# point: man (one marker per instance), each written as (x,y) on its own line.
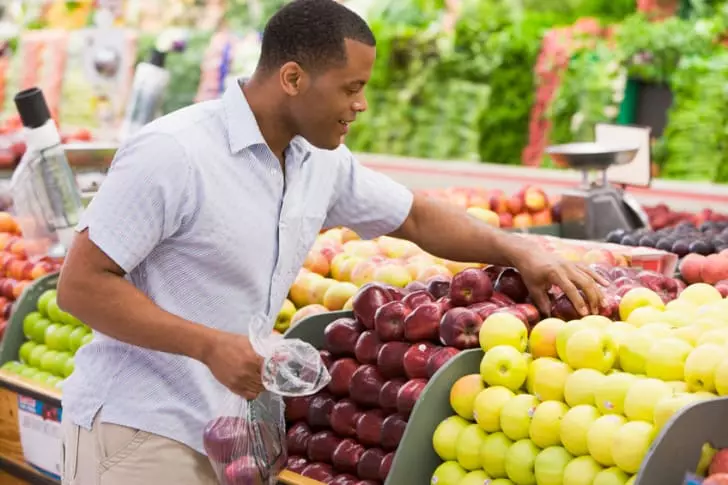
(201,226)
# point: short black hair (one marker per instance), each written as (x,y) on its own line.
(312,34)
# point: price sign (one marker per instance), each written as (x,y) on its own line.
(40,435)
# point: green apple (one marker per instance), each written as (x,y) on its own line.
(51,337)
(46,297)
(633,352)
(68,319)
(55,314)
(667,407)
(53,381)
(87,339)
(666,359)
(546,423)
(76,337)
(36,354)
(493,454)
(48,361)
(64,337)
(445,437)
(488,405)
(12,366)
(467,449)
(591,348)
(477,477)
(39,330)
(448,473)
(611,476)
(29,372)
(700,367)
(42,376)
(600,436)
(520,462)
(547,378)
(564,333)
(574,428)
(581,385)
(463,394)
(500,481)
(516,414)
(69,367)
(630,445)
(609,396)
(550,465)
(636,298)
(60,363)
(503,329)
(642,397)
(25,350)
(29,323)
(504,366)
(581,471)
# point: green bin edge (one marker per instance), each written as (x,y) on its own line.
(27,303)
(415,459)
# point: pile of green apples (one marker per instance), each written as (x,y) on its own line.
(53,338)
(580,402)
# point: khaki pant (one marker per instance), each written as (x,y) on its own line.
(116,455)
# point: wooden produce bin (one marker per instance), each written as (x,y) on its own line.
(415,460)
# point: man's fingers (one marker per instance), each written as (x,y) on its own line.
(594,275)
(589,287)
(541,299)
(562,280)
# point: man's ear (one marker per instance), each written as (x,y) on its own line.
(293,78)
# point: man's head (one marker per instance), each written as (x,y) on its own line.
(321,55)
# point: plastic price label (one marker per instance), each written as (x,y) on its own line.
(40,435)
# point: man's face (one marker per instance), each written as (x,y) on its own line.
(332,99)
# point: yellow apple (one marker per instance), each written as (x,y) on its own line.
(667,407)
(488,405)
(657,330)
(598,320)
(581,471)
(542,341)
(393,274)
(504,366)
(484,215)
(720,379)
(620,331)
(503,329)
(463,394)
(550,465)
(516,414)
(581,386)
(633,352)
(609,396)
(575,426)
(547,378)
(643,315)
(630,445)
(445,437)
(690,334)
(591,348)
(448,473)
(700,367)
(364,249)
(678,386)
(520,462)
(476,477)
(546,423)
(565,333)
(338,294)
(677,318)
(642,397)
(666,359)
(636,298)
(682,305)
(700,294)
(600,436)
(611,476)
(300,291)
(717,336)
(493,454)
(468,447)
(283,320)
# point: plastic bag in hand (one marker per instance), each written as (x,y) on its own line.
(246,444)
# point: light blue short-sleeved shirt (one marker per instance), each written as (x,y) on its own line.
(196,211)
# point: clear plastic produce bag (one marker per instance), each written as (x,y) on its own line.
(246,443)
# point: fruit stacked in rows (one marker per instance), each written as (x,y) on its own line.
(683,239)
(581,401)
(54,337)
(712,269)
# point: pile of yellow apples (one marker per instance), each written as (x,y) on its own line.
(580,402)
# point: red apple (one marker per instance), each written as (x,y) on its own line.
(341,372)
(444,303)
(344,416)
(365,385)
(415,359)
(417,298)
(322,472)
(367,300)
(347,455)
(533,316)
(320,409)
(297,438)
(501,300)
(515,311)
(460,328)
(484,308)
(297,408)
(412,287)
(389,321)
(321,446)
(409,394)
(388,394)
(439,358)
(369,427)
(438,286)
(423,323)
(340,336)
(345,479)
(222,438)
(244,470)
(296,464)
(326,358)
(563,308)
(470,286)
(386,466)
(392,431)
(396,293)
(370,463)
(719,463)
(511,284)
(367,347)
(390,359)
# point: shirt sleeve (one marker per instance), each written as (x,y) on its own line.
(366,201)
(144,199)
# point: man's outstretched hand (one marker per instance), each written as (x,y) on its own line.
(541,270)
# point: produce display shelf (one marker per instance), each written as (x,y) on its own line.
(415,459)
